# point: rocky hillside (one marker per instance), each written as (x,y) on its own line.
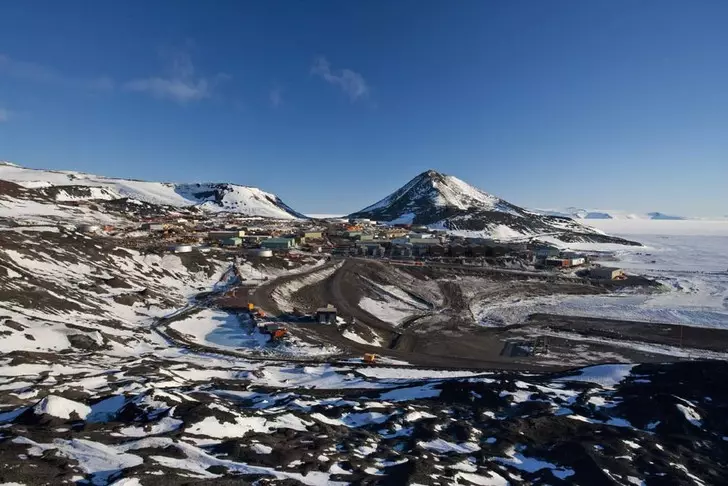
(443,201)
(176,419)
(74,186)
(90,393)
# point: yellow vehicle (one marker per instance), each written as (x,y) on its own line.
(370,358)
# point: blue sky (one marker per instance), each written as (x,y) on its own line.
(332,105)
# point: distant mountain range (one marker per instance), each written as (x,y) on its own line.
(577,213)
(446,202)
(69,185)
(433,199)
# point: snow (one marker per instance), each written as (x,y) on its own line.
(494,479)
(392,291)
(690,414)
(406,218)
(352,336)
(352,420)
(127,482)
(607,376)
(684,469)
(417,415)
(242,199)
(530,464)
(631,444)
(197,462)
(411,393)
(261,449)
(608,214)
(326,377)
(413,374)
(444,447)
(692,269)
(93,193)
(391,311)
(460,194)
(664,228)
(283,293)
(105,410)
(325,215)
(213,427)
(93,458)
(441,191)
(163,426)
(504,233)
(61,407)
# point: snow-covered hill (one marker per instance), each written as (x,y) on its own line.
(70,185)
(446,202)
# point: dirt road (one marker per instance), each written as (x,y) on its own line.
(447,334)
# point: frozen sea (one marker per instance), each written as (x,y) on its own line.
(693,268)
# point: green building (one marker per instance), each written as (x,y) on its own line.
(278,243)
(231,242)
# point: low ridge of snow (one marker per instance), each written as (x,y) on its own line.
(61,407)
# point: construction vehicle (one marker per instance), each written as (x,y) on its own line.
(369,358)
(276,331)
(255,311)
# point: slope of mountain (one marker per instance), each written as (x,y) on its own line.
(70,185)
(446,202)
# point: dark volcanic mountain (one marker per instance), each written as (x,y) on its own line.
(443,201)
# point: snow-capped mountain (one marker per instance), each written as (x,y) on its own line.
(71,185)
(443,201)
(578,213)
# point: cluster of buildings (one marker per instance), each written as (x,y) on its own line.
(359,237)
(227,231)
(552,257)
(268,241)
(403,243)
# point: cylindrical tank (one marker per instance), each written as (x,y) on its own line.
(260,253)
(182,248)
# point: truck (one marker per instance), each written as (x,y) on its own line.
(276,331)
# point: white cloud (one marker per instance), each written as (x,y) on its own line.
(276,97)
(4,115)
(38,73)
(181,84)
(175,89)
(351,82)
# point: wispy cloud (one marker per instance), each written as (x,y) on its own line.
(276,97)
(351,82)
(4,115)
(181,83)
(39,73)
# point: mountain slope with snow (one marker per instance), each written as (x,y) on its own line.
(446,202)
(71,185)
